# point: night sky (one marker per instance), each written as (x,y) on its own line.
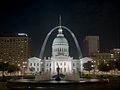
(83,17)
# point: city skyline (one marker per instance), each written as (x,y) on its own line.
(37,18)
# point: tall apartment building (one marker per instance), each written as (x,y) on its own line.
(91,45)
(15,48)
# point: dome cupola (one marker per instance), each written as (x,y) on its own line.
(60,39)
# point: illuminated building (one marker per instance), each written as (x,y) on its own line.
(60,57)
(15,48)
(34,65)
(101,57)
(91,45)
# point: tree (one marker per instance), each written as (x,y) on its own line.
(117,64)
(8,67)
(104,67)
(112,65)
(12,68)
(3,68)
(88,66)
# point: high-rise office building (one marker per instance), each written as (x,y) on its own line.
(91,45)
(15,48)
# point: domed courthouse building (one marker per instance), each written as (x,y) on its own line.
(60,58)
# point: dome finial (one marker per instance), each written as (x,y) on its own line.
(60,20)
(60,29)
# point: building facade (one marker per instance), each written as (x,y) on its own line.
(34,65)
(60,58)
(91,45)
(99,57)
(15,48)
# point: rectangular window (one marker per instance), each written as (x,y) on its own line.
(73,64)
(34,64)
(37,69)
(30,64)
(37,64)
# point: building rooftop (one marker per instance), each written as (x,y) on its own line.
(12,34)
